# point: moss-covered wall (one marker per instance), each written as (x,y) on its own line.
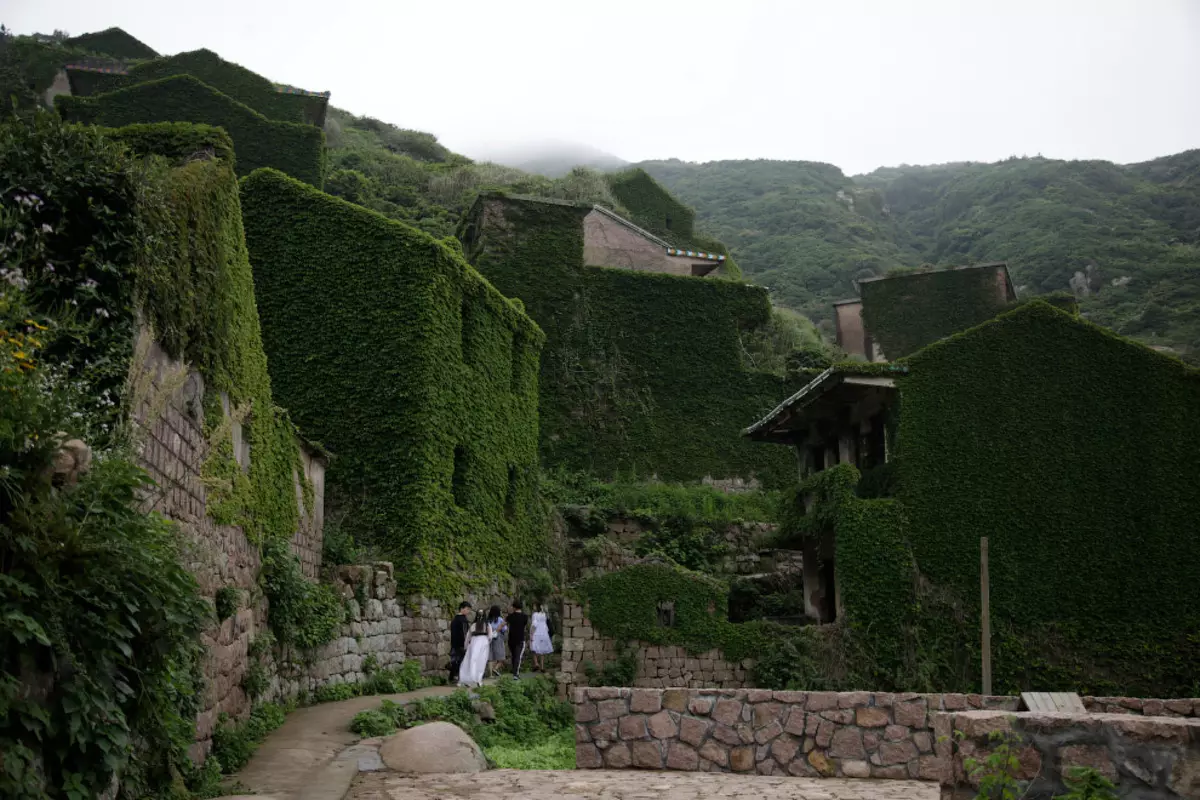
(389,349)
(904,313)
(243,85)
(294,148)
(1075,452)
(642,372)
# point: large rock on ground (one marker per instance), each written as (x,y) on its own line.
(436,747)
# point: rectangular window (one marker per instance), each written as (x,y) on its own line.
(510,498)
(458,483)
(518,361)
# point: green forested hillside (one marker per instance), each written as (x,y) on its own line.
(1124,239)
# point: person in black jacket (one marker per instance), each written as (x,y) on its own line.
(518,633)
(458,638)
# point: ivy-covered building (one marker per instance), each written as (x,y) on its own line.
(1072,449)
(392,351)
(642,373)
(899,313)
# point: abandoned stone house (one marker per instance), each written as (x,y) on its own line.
(938,295)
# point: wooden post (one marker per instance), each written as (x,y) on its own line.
(986,615)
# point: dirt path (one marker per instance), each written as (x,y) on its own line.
(310,756)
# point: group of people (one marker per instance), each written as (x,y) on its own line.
(477,641)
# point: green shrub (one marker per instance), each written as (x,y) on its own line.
(1085,783)
(556,752)
(226,602)
(112,42)
(303,613)
(292,147)
(372,723)
(235,742)
(621,671)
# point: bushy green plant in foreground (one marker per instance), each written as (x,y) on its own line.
(529,719)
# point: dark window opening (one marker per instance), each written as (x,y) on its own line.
(510,499)
(668,223)
(828,609)
(468,356)
(700,270)
(666,613)
(816,458)
(458,484)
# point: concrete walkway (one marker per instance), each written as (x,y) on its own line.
(508,784)
(310,756)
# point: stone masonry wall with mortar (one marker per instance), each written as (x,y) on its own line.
(658,666)
(1143,756)
(427,625)
(817,734)
(847,734)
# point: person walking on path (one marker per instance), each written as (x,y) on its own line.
(458,638)
(499,627)
(518,632)
(543,643)
(478,648)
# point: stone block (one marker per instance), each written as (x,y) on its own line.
(604,731)
(895,733)
(872,717)
(725,733)
(784,749)
(847,743)
(741,759)
(611,709)
(932,768)
(896,752)
(727,711)
(758,695)
(615,757)
(681,756)
(791,698)
(675,700)
(647,755)
(923,741)
(766,713)
(582,734)
(824,732)
(821,763)
(662,726)
(856,769)
(764,735)
(632,727)
(895,772)
(715,753)
(911,714)
(701,706)
(795,721)
(854,699)
(645,701)
(1090,756)
(822,701)
(692,730)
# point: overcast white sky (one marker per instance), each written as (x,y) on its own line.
(859,84)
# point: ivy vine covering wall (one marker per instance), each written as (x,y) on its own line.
(292,147)
(642,372)
(1075,452)
(904,313)
(231,79)
(112,42)
(395,354)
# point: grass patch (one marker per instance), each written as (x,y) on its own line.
(557,752)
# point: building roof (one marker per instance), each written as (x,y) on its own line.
(851,301)
(110,67)
(832,388)
(911,273)
(670,248)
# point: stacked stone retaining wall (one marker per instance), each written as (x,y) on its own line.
(816,734)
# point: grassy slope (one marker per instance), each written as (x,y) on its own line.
(1137,226)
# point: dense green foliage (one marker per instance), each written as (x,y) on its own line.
(629,387)
(303,613)
(1073,451)
(906,313)
(98,617)
(28,66)
(248,88)
(292,147)
(528,717)
(660,500)
(1123,238)
(391,351)
(112,42)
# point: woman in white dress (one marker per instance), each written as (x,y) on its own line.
(478,645)
(543,645)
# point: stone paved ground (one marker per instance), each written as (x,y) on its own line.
(508,784)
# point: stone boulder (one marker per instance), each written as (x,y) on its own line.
(437,747)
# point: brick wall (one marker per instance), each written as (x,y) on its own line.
(658,666)
(816,734)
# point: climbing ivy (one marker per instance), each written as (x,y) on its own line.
(906,312)
(642,372)
(1073,450)
(295,148)
(422,379)
(112,42)
(228,78)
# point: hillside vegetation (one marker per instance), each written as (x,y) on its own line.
(1124,239)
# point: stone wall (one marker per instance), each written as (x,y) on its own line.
(826,734)
(659,666)
(427,625)
(1144,756)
